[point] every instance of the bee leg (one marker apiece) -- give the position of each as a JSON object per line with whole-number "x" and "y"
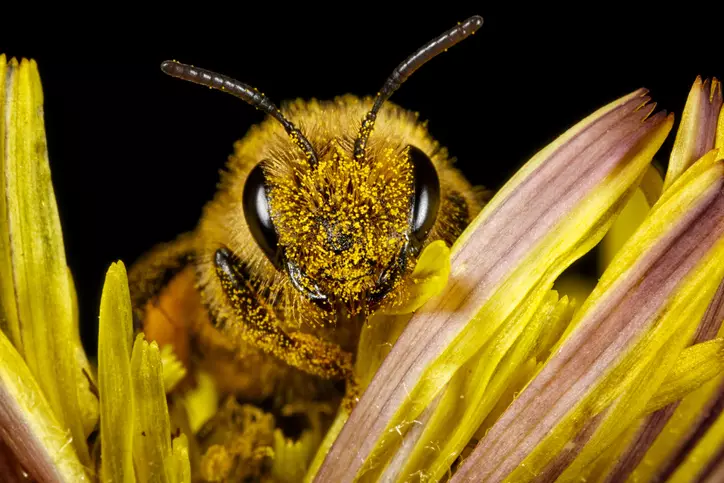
{"x": 168, "y": 309}
{"x": 261, "y": 327}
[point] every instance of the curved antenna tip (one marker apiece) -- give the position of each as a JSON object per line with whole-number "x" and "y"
{"x": 408, "y": 67}
{"x": 169, "y": 66}
{"x": 473, "y": 23}
{"x": 244, "y": 92}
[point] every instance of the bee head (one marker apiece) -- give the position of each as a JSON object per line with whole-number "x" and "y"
{"x": 345, "y": 223}
{"x": 345, "y": 232}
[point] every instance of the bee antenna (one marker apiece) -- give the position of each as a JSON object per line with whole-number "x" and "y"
{"x": 405, "y": 70}
{"x": 244, "y": 92}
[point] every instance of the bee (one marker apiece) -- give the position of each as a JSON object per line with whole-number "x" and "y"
{"x": 320, "y": 216}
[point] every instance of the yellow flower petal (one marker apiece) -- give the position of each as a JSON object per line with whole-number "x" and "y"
{"x": 427, "y": 280}
{"x": 37, "y": 297}
{"x": 625, "y": 225}
{"x": 697, "y": 131}
{"x": 9, "y": 321}
{"x": 151, "y": 429}
{"x": 181, "y": 466}
{"x": 657, "y": 442}
{"x": 690, "y": 303}
{"x": 29, "y": 425}
{"x": 201, "y": 402}
{"x": 115, "y": 385}
{"x": 679, "y": 432}
{"x": 173, "y": 369}
{"x": 719, "y": 143}
{"x": 631, "y": 216}
{"x": 695, "y": 366}
{"x": 291, "y": 458}
{"x": 610, "y": 461}
{"x": 702, "y": 455}
{"x": 135, "y": 427}
{"x": 652, "y": 184}
{"x": 520, "y": 379}
{"x": 633, "y": 457}
{"x": 698, "y": 366}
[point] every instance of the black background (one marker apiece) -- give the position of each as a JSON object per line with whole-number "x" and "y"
{"x": 135, "y": 154}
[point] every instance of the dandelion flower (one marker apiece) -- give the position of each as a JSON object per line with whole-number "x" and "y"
{"x": 483, "y": 372}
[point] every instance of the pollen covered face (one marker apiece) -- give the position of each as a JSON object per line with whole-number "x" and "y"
{"x": 344, "y": 224}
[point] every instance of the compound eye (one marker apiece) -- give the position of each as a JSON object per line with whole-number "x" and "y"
{"x": 258, "y": 218}
{"x": 426, "y": 200}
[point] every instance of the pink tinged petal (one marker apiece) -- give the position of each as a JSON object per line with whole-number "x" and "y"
{"x": 654, "y": 423}
{"x": 698, "y": 129}
{"x": 10, "y": 467}
{"x": 715, "y": 473}
{"x": 23, "y": 443}
{"x": 719, "y": 143}
{"x": 645, "y": 435}
{"x": 32, "y": 439}
{"x": 625, "y": 307}
{"x": 569, "y": 452}
{"x": 487, "y": 260}
{"x": 709, "y": 416}
{"x": 409, "y": 440}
